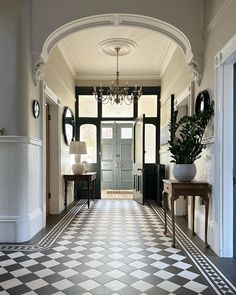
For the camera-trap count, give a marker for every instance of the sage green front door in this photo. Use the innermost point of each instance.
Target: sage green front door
(117, 156)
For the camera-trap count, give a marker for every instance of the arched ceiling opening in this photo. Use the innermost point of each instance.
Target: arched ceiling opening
(88, 53)
(80, 39)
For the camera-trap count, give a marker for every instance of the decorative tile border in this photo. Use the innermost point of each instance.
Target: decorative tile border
(51, 236)
(212, 274)
(117, 194)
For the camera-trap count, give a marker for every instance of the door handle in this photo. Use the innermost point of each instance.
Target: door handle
(139, 169)
(234, 181)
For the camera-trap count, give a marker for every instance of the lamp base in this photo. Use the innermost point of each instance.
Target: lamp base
(78, 168)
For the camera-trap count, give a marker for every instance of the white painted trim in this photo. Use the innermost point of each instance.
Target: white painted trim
(209, 140)
(52, 95)
(16, 218)
(223, 183)
(16, 229)
(182, 96)
(20, 139)
(132, 20)
(213, 233)
(217, 17)
(55, 165)
(164, 149)
(114, 20)
(201, 218)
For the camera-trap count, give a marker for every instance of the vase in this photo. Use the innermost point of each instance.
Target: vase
(184, 172)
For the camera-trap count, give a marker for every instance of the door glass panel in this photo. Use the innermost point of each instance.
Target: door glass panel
(147, 105)
(150, 143)
(126, 133)
(87, 106)
(117, 110)
(88, 133)
(107, 133)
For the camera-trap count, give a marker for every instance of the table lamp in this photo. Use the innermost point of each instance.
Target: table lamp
(78, 148)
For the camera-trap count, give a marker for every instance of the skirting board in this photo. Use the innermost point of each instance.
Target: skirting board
(15, 229)
(213, 234)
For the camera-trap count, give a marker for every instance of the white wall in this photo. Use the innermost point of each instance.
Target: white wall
(60, 80)
(176, 78)
(21, 213)
(8, 65)
(219, 27)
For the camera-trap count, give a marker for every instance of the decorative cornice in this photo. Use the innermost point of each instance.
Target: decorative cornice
(67, 55)
(217, 17)
(122, 77)
(163, 59)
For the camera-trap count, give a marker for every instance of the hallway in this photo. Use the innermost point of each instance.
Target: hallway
(116, 247)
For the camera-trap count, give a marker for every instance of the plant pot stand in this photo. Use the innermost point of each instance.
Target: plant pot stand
(174, 189)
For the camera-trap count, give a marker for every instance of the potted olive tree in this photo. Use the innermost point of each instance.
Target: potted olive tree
(185, 144)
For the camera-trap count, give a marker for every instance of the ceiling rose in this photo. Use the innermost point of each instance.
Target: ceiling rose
(126, 46)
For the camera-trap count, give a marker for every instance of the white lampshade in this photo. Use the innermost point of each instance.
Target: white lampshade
(78, 148)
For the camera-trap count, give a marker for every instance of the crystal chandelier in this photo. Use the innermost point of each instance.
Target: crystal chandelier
(117, 94)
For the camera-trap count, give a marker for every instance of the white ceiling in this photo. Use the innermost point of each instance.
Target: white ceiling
(81, 52)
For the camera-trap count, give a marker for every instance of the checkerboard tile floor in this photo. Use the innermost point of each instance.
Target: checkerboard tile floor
(116, 247)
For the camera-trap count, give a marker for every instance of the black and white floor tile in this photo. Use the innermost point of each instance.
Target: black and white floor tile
(117, 247)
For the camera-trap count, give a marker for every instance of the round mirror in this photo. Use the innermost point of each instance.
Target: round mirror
(202, 101)
(68, 125)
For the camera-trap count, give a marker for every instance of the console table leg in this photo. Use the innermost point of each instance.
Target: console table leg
(88, 195)
(94, 188)
(193, 214)
(164, 196)
(206, 220)
(173, 219)
(65, 201)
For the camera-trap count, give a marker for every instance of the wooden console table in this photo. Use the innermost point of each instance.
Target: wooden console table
(89, 177)
(174, 189)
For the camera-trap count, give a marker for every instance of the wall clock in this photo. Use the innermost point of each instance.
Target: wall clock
(202, 101)
(36, 108)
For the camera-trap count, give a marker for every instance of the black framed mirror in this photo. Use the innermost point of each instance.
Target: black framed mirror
(202, 101)
(68, 125)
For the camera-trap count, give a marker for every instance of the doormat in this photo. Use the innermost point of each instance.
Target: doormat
(117, 194)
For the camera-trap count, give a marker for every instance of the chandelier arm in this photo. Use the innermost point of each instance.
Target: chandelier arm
(116, 94)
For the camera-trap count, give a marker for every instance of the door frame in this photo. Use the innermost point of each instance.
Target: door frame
(48, 96)
(223, 184)
(147, 90)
